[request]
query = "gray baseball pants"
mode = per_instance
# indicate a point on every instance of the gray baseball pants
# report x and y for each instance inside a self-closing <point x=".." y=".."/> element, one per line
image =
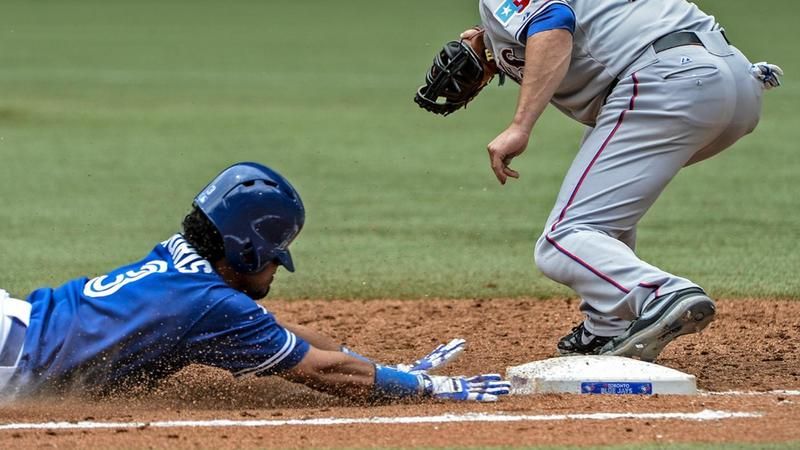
<point x="669" y="110"/>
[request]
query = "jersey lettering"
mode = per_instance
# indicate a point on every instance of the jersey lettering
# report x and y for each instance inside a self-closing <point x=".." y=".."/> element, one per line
<point x="97" y="287"/>
<point x="184" y="256"/>
<point x="511" y="64"/>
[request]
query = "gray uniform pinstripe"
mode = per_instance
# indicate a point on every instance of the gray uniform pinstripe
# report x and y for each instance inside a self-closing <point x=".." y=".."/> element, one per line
<point x="665" y="111"/>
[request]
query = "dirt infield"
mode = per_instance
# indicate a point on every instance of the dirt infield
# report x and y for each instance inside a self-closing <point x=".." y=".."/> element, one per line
<point x="752" y="346"/>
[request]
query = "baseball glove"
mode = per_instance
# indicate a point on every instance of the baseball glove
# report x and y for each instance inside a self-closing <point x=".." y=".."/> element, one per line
<point x="459" y="71"/>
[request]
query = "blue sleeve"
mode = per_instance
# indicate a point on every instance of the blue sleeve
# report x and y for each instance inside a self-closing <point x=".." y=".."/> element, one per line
<point x="557" y="16"/>
<point x="238" y="335"/>
<point x="392" y="383"/>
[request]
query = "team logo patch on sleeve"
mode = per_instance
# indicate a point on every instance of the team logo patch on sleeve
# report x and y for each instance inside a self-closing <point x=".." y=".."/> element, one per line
<point x="508" y="8"/>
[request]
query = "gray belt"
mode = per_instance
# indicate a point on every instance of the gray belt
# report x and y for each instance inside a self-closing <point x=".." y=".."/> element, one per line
<point x="679" y="39"/>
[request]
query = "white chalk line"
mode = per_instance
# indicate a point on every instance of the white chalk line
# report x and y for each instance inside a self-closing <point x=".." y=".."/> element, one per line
<point x="787" y="393"/>
<point x="705" y="415"/>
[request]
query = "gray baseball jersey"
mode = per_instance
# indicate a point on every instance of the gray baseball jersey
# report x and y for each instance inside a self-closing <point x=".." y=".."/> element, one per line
<point x="651" y="112"/>
<point x="609" y="36"/>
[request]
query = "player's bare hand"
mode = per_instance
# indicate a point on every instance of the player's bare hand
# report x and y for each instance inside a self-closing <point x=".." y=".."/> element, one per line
<point x="505" y="147"/>
<point x="470" y="32"/>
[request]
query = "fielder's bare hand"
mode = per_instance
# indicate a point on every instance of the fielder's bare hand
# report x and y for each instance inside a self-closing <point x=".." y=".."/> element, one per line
<point x="505" y="147"/>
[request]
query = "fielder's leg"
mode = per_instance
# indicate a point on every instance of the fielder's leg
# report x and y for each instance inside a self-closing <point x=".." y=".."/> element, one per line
<point x="654" y="123"/>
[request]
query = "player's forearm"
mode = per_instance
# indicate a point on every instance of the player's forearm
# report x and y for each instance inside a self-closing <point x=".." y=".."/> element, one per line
<point x="322" y="341"/>
<point x="313" y="337"/>
<point x="334" y="373"/>
<point x="547" y="56"/>
<point x="340" y="374"/>
<point x="343" y="375"/>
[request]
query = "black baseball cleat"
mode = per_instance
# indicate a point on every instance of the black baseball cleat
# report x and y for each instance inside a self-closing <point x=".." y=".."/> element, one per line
<point x="581" y="342"/>
<point x="669" y="316"/>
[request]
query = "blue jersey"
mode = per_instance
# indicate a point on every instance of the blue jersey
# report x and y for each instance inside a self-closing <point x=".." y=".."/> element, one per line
<point x="146" y="320"/>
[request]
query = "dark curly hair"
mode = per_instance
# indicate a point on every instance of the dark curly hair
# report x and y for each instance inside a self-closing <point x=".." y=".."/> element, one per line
<point x="201" y="234"/>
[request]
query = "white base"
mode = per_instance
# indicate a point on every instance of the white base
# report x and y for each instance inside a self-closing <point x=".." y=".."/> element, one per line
<point x="599" y="375"/>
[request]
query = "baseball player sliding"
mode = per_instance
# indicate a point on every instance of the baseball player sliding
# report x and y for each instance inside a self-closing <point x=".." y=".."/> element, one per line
<point x="191" y="300"/>
<point x="659" y="87"/>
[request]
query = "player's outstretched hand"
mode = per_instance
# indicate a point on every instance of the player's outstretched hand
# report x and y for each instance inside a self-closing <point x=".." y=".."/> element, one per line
<point x="768" y="74"/>
<point x="505" y="147"/>
<point x="481" y="388"/>
<point x="440" y="356"/>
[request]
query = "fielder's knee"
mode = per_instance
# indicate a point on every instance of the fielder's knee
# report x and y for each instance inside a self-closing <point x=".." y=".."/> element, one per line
<point x="546" y="259"/>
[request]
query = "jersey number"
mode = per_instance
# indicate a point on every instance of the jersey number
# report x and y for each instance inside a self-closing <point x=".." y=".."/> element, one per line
<point x="97" y="287"/>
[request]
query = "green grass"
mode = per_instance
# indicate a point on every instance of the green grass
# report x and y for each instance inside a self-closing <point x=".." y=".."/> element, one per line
<point x="113" y="114"/>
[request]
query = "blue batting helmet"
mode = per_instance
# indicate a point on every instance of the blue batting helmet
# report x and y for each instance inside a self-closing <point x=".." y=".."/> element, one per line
<point x="257" y="212"/>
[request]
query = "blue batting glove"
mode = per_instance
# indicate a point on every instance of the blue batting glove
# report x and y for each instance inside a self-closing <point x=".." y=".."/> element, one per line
<point x="768" y="74"/>
<point x="440" y="356"/>
<point x="481" y="388"/>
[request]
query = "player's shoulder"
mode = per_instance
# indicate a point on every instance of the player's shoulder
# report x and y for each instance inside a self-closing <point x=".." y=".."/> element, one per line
<point x="172" y="268"/>
<point x="234" y="307"/>
<point x="511" y="16"/>
<point x="190" y="273"/>
<point x="507" y="11"/>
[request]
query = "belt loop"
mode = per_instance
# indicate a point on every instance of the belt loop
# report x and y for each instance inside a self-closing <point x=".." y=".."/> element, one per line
<point x="722" y="32"/>
<point x="610" y="89"/>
